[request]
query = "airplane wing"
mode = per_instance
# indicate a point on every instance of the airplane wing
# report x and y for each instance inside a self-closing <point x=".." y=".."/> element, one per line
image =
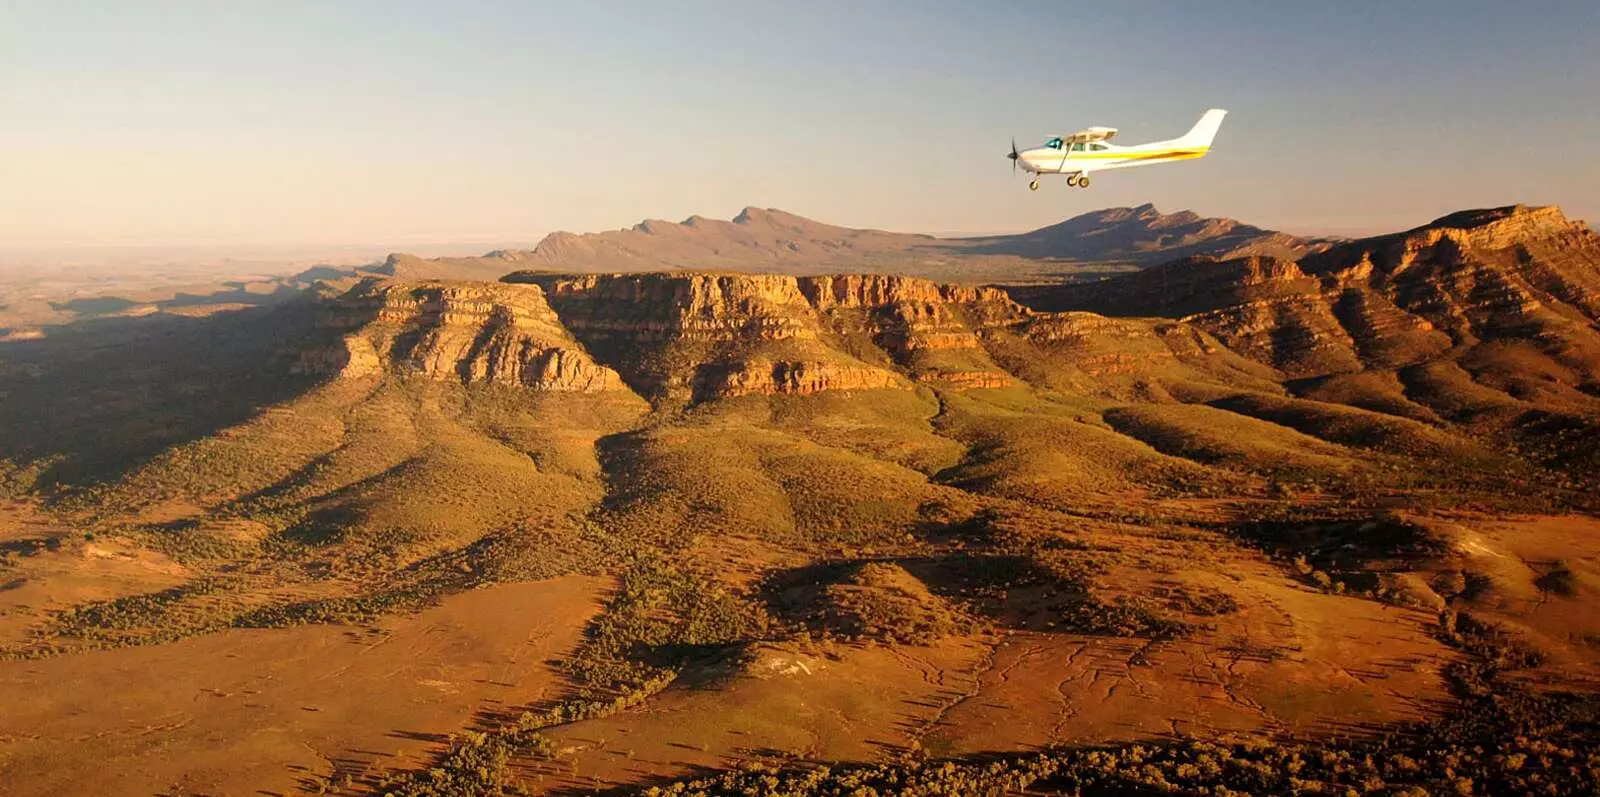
<point x="1090" y="134"/>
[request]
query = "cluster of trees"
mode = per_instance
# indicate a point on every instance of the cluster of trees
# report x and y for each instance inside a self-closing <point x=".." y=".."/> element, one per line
<point x="162" y="616"/>
<point x="478" y="763"/>
<point x="20" y="479"/>
<point x="1398" y="767"/>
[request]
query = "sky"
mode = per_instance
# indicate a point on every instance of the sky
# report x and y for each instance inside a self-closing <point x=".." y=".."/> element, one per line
<point x="289" y="122"/>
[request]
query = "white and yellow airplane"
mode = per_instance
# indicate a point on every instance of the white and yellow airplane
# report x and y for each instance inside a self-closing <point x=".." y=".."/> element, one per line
<point x="1088" y="151"/>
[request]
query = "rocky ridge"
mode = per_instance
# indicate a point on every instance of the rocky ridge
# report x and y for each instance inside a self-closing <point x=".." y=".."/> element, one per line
<point x="1510" y="274"/>
<point x="693" y="337"/>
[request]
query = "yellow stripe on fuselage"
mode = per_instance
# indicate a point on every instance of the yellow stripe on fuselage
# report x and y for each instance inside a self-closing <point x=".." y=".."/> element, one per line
<point x="1173" y="154"/>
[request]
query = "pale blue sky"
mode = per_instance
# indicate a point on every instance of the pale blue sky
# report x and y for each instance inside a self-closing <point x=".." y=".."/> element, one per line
<point x="249" y="122"/>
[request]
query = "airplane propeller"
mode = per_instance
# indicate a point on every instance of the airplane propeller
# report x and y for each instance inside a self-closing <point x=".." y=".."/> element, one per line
<point x="1013" y="155"/>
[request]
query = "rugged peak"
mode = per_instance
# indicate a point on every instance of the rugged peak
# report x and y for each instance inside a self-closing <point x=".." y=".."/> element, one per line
<point x="657" y="227"/>
<point x="555" y="243"/>
<point x="392" y="264"/>
<point x="753" y="215"/>
<point x="772" y="217"/>
<point x="1183" y="217"/>
<point x="1114" y="215"/>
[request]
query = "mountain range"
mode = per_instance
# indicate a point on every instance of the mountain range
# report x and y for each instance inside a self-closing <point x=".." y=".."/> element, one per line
<point x="770" y="241"/>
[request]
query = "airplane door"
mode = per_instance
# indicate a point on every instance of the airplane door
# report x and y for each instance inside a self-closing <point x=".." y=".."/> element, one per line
<point x="1067" y="156"/>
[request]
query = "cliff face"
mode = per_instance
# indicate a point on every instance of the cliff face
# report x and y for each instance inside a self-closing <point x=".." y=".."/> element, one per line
<point x="1514" y="273"/>
<point x="471" y="332"/>
<point x="701" y="335"/>
<point x="688" y="338"/>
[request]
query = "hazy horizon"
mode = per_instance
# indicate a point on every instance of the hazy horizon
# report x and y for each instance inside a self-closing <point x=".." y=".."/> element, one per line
<point x="405" y="126"/>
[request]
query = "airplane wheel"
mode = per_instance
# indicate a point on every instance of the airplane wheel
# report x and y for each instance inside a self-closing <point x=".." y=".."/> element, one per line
<point x="1072" y="181"/>
<point x="1083" y="182"/>
<point x="1033" y="186"/>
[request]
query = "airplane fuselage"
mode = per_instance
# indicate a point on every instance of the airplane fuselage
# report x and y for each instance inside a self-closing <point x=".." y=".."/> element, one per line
<point x="1099" y="156"/>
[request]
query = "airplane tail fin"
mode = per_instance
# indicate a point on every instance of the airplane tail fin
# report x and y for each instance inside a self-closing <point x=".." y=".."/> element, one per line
<point x="1204" y="130"/>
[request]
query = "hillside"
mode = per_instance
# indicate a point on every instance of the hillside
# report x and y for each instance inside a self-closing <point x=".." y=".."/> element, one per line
<point x="631" y="528"/>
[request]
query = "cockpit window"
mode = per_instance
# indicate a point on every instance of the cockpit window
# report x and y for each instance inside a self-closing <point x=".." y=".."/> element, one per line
<point x="1098" y="147"/>
<point x="1077" y="147"/>
<point x="1054" y="143"/>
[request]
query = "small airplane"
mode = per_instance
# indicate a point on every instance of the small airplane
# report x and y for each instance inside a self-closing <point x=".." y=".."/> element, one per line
<point x="1087" y="151"/>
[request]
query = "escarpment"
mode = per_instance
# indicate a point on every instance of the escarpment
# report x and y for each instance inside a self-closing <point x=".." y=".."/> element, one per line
<point x="685" y="335"/>
<point x="465" y="331"/>
<point x="684" y="338"/>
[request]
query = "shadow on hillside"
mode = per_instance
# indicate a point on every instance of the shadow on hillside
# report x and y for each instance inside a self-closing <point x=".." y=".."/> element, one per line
<point x="93" y="398"/>
<point x="229" y="295"/>
<point x="97" y="305"/>
<point x="235" y="294"/>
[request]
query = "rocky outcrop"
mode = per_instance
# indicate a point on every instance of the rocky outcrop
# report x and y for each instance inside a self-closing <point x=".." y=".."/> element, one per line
<point x="467" y="332"/>
<point x="793" y="377"/>
<point x="352" y="357"/>
<point x="873" y="291"/>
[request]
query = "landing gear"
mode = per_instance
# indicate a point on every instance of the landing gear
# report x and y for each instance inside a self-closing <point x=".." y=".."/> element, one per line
<point x="1034" y="186"/>
<point x="1083" y="181"/>
<point x="1072" y="181"/>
